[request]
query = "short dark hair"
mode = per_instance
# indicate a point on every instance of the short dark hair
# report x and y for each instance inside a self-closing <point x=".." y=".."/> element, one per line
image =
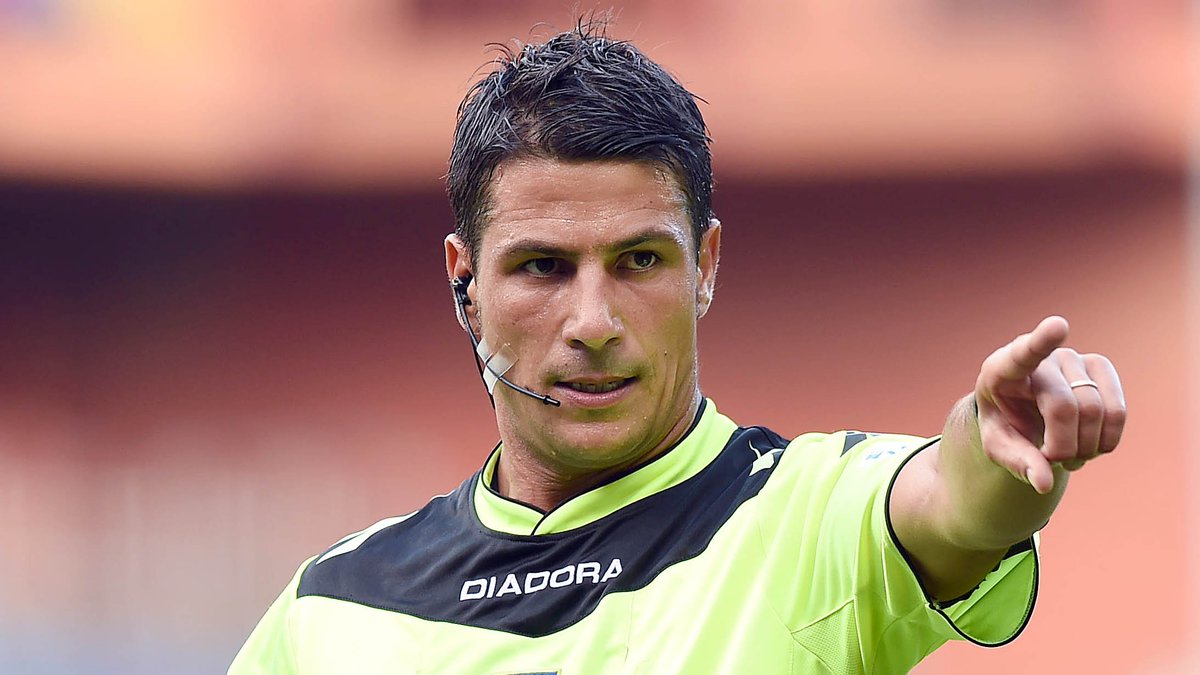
<point x="579" y="96"/>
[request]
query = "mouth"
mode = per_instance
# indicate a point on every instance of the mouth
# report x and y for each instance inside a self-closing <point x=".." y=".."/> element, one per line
<point x="594" y="392"/>
<point x="602" y="387"/>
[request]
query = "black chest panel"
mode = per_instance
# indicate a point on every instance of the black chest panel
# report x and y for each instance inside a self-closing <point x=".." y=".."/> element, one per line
<point x="441" y="564"/>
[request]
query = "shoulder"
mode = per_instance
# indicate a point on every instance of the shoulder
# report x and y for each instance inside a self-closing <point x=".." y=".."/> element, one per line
<point x="845" y="470"/>
<point x="767" y="460"/>
<point x="857" y="452"/>
<point x="399" y="539"/>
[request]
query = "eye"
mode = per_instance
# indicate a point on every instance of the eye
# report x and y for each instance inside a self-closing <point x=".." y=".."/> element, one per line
<point x="641" y="260"/>
<point x="542" y="267"/>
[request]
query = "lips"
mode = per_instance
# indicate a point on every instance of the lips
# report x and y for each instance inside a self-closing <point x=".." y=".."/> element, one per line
<point x="598" y="387"/>
<point x="594" y="392"/>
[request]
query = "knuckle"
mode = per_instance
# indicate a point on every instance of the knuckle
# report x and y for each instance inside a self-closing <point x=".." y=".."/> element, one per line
<point x="1062" y="411"/>
<point x="1090" y="410"/>
<point x="1114" y="418"/>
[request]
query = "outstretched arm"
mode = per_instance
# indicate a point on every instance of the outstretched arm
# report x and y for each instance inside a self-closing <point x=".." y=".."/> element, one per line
<point x="1039" y="411"/>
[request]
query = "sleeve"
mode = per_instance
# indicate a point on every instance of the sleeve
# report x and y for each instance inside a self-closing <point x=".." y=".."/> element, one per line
<point x="269" y="650"/>
<point x="844" y="580"/>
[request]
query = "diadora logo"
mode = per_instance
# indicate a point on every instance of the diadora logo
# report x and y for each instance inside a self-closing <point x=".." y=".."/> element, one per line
<point x="532" y="582"/>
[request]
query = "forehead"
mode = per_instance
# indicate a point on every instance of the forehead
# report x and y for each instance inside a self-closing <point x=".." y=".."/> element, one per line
<point x="582" y="205"/>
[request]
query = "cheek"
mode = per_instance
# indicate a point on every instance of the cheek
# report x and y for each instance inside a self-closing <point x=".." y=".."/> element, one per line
<point x="535" y="322"/>
<point x="671" y="325"/>
<point x="517" y="318"/>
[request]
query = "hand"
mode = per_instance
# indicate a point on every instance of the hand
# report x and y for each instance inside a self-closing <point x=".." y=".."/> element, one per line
<point x="1030" y="417"/>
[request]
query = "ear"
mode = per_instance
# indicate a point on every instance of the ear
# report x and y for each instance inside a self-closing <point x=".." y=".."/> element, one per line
<point x="458" y="266"/>
<point x="710" y="255"/>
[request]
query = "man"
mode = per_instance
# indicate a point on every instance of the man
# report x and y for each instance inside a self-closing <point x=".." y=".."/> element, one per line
<point x="623" y="524"/>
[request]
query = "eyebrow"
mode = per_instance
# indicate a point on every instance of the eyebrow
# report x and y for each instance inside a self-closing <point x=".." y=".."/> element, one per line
<point x="539" y="246"/>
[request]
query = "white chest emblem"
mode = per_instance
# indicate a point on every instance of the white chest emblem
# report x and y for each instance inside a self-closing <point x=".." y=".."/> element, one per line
<point x="764" y="459"/>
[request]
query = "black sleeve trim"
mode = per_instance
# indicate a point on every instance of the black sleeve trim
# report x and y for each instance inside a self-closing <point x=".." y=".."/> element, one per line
<point x="939" y="607"/>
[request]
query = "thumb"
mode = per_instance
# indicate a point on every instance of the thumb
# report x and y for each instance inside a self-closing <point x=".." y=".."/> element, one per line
<point x="1006" y="447"/>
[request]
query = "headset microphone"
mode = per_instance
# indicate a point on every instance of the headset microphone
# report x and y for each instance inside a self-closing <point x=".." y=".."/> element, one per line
<point x="496" y="363"/>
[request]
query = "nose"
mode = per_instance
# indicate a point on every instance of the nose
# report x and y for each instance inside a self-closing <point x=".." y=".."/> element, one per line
<point x="592" y="322"/>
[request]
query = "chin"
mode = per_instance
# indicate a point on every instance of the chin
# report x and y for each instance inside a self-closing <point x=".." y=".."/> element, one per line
<point x="599" y="446"/>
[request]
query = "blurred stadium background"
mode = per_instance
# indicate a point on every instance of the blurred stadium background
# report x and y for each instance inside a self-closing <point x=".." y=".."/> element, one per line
<point x="226" y="339"/>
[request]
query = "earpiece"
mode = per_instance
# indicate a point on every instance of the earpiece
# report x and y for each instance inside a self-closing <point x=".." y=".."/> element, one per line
<point x="459" y="285"/>
<point x="461" y="300"/>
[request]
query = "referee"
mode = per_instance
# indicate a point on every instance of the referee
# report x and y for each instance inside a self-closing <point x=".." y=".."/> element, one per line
<point x="623" y="524"/>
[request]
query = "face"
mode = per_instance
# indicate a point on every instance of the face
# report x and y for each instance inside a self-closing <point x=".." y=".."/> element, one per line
<point x="587" y="274"/>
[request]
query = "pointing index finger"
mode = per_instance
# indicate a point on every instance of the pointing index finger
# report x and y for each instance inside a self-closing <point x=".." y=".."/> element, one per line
<point x="1028" y="350"/>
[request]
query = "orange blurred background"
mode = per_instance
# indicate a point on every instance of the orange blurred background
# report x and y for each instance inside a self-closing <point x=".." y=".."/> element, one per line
<point x="226" y="338"/>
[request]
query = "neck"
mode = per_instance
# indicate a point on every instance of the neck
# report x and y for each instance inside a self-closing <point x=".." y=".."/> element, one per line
<point x="532" y="477"/>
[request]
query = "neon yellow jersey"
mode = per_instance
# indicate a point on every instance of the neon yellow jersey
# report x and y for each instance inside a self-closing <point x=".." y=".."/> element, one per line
<point x="734" y="552"/>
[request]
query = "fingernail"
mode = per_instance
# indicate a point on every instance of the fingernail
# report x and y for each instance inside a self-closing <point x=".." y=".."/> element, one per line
<point x="1029" y="478"/>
